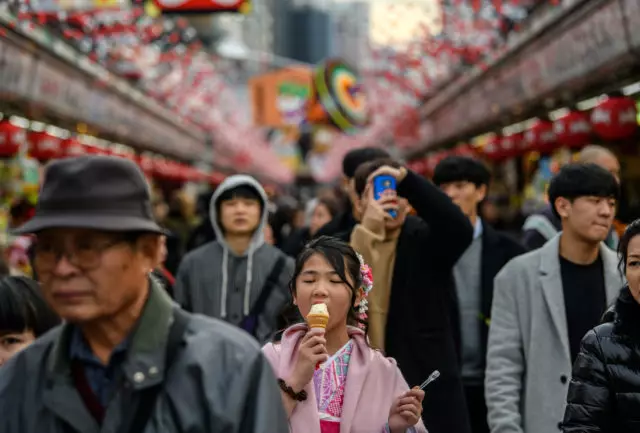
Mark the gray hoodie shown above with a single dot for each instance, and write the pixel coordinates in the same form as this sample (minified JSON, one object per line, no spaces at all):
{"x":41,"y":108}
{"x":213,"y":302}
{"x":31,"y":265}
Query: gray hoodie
{"x":214,"y":281}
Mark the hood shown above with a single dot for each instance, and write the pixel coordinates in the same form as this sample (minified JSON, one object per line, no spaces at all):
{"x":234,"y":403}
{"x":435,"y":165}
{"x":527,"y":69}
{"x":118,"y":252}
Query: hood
{"x":230,"y":183}
{"x":256,"y":241}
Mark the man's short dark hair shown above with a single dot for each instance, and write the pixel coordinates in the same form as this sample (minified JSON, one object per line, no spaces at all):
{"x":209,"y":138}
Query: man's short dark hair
{"x":461,"y":169}
{"x":582,"y":180}
{"x":240,"y":191}
{"x":364,"y":171}
{"x":355,"y":158}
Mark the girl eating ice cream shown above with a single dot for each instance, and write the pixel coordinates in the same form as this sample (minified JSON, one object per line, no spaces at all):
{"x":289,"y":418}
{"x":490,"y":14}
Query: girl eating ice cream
{"x":331,"y":380}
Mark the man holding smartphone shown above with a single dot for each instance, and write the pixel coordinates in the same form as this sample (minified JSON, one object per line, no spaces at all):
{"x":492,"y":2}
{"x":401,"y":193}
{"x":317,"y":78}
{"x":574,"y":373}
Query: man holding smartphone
{"x":412,"y":260}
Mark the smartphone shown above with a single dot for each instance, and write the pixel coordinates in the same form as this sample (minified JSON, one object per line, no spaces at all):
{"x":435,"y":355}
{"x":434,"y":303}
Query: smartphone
{"x":382,"y":183}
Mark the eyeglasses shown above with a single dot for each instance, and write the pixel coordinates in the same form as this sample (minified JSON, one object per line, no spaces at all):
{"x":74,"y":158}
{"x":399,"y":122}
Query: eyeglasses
{"x":82,"y":253}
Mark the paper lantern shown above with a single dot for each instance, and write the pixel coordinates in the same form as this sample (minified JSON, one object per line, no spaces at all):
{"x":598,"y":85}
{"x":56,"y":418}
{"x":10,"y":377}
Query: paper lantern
{"x":44,"y":146}
{"x":417,"y":166}
{"x":615,"y":118}
{"x":540,"y":137}
{"x":71,"y":147}
{"x":433,"y":160}
{"x":573,"y":130}
{"x":511,"y":146}
{"x":146,"y":164}
{"x":464,"y":150}
{"x":12,"y":137}
{"x":492,"y":149}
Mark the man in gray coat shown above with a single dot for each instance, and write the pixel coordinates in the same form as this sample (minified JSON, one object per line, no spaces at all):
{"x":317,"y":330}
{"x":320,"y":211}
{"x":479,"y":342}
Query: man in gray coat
{"x":238,"y":277}
{"x":127,"y":360}
{"x":546,"y":300}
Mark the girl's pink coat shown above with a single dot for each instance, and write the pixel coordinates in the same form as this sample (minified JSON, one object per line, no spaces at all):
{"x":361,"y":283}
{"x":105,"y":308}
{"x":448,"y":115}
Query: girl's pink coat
{"x":373,"y":382}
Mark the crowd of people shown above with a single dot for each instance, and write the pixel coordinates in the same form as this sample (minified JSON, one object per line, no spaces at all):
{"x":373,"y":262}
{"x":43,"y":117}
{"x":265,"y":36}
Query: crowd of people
{"x":533,"y":333}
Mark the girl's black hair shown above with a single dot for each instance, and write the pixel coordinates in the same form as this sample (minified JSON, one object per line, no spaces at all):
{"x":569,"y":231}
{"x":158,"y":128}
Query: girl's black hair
{"x":343,"y":260}
{"x":631,"y":232}
{"x":22,"y":307}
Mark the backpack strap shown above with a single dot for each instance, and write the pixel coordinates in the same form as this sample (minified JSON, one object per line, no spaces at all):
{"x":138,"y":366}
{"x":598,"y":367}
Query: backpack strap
{"x":249,"y":323}
{"x":149,"y":396}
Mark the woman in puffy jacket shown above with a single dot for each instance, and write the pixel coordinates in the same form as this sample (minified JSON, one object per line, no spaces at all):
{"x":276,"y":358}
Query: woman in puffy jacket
{"x":604,"y":395}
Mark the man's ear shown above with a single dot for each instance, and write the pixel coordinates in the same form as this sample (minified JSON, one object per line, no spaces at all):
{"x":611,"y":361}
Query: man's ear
{"x":149,"y":245}
{"x":345,"y":183}
{"x":563,"y":207}
{"x":481,"y":192}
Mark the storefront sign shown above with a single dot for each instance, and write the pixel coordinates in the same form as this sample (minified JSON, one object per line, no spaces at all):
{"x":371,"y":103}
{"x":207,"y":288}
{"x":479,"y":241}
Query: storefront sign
{"x":16,"y":69}
{"x":631,"y":11}
{"x":574,"y":56}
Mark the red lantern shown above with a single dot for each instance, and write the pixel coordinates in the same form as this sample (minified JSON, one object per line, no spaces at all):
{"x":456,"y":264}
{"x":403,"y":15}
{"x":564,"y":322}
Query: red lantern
{"x":216,"y":178}
{"x":573,"y":130}
{"x":615,"y":118}
{"x":540,"y":137}
{"x":11,"y":138}
{"x":71,"y":147}
{"x":464,"y":150}
{"x":44,"y":146}
{"x":417,"y":166}
{"x":92,"y":150}
{"x":432,"y":161}
{"x":146,"y":164}
{"x":511,"y":145}
{"x":242,"y":160}
{"x":492,"y":148}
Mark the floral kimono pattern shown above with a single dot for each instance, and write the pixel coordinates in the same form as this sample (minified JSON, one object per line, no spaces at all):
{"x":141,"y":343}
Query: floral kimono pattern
{"x":329,"y":382}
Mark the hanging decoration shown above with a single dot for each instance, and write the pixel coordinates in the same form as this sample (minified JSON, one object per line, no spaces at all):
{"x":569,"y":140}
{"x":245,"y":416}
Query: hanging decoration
{"x":44,"y":146}
{"x":203,"y":6}
{"x":12,"y":139}
{"x":541,"y":137}
{"x":511,"y":145}
{"x":337,"y":97}
{"x":573,"y":130}
{"x":615,"y":118}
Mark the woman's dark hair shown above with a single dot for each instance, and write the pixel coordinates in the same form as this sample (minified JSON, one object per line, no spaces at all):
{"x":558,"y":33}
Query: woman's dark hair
{"x":631,"y":232}
{"x":22,"y":307}
{"x":344,"y":260}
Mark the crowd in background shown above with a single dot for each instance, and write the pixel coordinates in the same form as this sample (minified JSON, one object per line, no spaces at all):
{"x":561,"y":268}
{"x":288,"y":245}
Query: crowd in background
{"x":500,"y":316}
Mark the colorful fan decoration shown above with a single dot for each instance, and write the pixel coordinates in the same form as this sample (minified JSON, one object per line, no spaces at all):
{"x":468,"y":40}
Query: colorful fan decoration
{"x":337,"y":97}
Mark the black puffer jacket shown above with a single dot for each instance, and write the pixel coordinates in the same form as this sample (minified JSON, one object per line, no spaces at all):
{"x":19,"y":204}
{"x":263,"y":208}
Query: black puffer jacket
{"x":604,"y":395}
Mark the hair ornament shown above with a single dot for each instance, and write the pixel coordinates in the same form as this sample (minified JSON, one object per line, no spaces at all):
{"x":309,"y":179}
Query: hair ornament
{"x":367,"y":285}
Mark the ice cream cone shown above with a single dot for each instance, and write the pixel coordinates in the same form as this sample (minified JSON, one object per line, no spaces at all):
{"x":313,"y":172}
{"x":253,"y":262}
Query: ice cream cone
{"x":318,"y":317}
{"x":317,"y":321}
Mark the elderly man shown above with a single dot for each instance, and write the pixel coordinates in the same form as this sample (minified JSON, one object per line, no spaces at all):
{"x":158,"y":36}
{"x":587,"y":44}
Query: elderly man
{"x":127,"y":359}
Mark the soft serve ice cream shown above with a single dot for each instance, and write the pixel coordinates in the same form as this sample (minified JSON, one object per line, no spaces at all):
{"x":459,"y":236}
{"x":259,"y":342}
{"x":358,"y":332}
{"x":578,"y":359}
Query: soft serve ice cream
{"x":318,"y":317}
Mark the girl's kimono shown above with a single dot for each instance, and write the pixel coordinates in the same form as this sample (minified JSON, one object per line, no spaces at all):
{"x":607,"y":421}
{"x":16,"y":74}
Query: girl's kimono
{"x":352,"y":392}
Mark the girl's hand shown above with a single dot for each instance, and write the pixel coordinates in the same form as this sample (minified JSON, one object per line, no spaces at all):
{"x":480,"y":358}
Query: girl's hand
{"x":406,"y":410}
{"x":312,"y":350}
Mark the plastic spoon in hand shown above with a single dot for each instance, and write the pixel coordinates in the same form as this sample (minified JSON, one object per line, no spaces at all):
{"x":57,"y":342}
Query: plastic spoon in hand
{"x":433,"y":376}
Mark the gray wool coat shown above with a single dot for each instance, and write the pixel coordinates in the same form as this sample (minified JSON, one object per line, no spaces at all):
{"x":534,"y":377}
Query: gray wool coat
{"x":528,"y":358}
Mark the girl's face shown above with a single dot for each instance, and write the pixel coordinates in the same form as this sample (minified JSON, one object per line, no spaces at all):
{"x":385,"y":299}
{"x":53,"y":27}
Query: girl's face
{"x":317,"y":283}
{"x":632,"y":267}
{"x":12,"y":343}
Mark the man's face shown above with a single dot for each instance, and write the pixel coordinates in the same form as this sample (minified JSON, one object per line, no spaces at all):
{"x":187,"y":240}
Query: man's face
{"x":589,"y":217}
{"x":88,"y":275}
{"x":240,"y":216}
{"x":465,"y":194}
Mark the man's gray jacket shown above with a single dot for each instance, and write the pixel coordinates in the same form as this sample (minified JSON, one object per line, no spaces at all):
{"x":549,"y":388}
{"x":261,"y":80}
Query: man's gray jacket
{"x":528,"y":357}
{"x":219,"y":382}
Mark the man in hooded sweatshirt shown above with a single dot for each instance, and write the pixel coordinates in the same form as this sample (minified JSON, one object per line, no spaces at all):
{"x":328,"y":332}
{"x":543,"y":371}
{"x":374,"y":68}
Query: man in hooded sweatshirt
{"x":238,"y":277}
